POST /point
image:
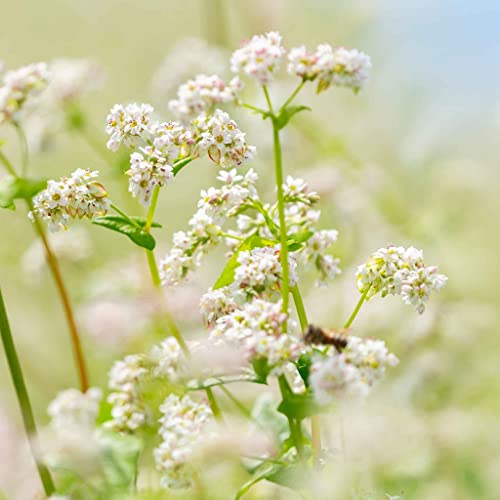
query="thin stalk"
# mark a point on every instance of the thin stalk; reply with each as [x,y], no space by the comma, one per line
[254,108]
[315,421]
[68,310]
[293,96]
[278,167]
[124,215]
[243,409]
[295,432]
[232,236]
[356,309]
[24,147]
[22,395]
[8,165]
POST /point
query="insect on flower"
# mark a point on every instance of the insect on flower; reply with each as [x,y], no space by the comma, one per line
[337,337]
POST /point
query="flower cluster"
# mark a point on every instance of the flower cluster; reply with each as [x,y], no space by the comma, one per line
[79,195]
[257,328]
[127,124]
[338,66]
[400,271]
[168,359]
[128,411]
[260,57]
[351,372]
[148,169]
[220,137]
[205,225]
[203,94]
[19,85]
[74,410]
[314,252]
[183,424]
[217,303]
[259,272]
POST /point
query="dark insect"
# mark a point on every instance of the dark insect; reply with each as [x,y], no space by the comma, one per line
[334,337]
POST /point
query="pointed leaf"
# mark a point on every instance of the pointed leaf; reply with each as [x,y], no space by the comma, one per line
[122,225]
[287,114]
[299,406]
[15,188]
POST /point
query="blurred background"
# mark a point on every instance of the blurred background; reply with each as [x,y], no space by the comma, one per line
[411,160]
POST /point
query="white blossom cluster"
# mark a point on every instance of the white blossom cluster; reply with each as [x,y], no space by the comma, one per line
[260,57]
[73,410]
[314,252]
[79,195]
[202,95]
[339,66]
[127,124]
[257,328]
[352,372]
[259,272]
[71,78]
[400,271]
[168,359]
[205,225]
[128,411]
[217,303]
[19,85]
[183,424]
[220,137]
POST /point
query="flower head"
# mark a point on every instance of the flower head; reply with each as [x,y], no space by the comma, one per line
[260,57]
[79,195]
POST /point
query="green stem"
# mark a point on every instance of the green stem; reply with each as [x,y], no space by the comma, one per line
[244,410]
[299,306]
[22,395]
[278,167]
[254,108]
[232,236]
[295,432]
[180,164]
[152,209]
[8,165]
[24,147]
[293,96]
[356,309]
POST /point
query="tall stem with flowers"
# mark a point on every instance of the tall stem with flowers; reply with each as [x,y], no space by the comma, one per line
[156,397]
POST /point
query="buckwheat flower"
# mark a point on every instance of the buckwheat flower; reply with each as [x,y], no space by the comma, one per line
[259,272]
[126,124]
[182,427]
[203,94]
[79,195]
[72,409]
[399,271]
[260,57]
[341,67]
[215,304]
[333,377]
[128,411]
[314,253]
[168,359]
[370,356]
[297,190]
[220,137]
[71,78]
[148,169]
[172,139]
[257,328]
[302,63]
[19,85]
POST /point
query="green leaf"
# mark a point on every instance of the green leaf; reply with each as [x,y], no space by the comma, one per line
[303,365]
[227,275]
[296,241]
[119,457]
[261,368]
[263,472]
[15,188]
[299,406]
[287,114]
[290,476]
[125,226]
[142,221]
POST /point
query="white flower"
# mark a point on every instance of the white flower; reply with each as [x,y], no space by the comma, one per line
[19,85]
[148,169]
[260,57]
[220,137]
[314,253]
[216,303]
[399,271]
[260,272]
[168,359]
[128,410]
[338,66]
[183,425]
[257,328]
[127,123]
[79,195]
[72,409]
[296,189]
[352,372]
[203,94]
